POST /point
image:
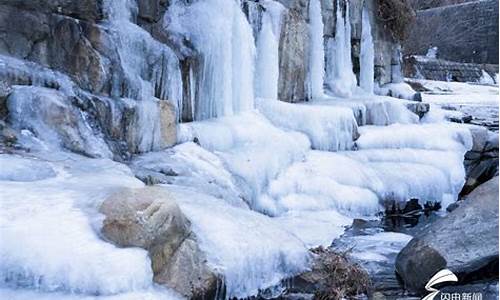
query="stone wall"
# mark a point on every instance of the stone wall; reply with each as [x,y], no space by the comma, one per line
[465,32]
[439,69]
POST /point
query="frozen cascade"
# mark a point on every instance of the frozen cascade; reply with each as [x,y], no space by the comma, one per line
[222,35]
[340,76]
[267,63]
[317,52]
[366,75]
[144,78]
[328,128]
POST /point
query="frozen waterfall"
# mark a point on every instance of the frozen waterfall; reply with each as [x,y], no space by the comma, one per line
[367,54]
[317,52]
[267,63]
[340,76]
[222,35]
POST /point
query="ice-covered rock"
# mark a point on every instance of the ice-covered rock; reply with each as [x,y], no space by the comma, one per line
[149,218]
[48,239]
[250,250]
[189,165]
[54,119]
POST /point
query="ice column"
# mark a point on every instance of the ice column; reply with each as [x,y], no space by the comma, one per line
[221,34]
[317,53]
[367,55]
[341,78]
[267,64]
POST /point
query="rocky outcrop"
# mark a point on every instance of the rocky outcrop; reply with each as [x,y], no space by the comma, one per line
[74,49]
[294,53]
[465,241]
[149,218]
[481,162]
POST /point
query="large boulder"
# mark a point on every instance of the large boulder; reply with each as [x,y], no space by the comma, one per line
[465,241]
[150,218]
[481,162]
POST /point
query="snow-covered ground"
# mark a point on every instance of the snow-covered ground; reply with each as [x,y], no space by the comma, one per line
[256,193]
[458,98]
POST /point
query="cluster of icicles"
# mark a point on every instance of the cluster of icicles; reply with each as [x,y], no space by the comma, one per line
[238,67]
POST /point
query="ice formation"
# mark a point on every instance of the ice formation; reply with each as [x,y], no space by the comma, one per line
[257,194]
[50,115]
[267,62]
[144,79]
[221,33]
[366,60]
[317,51]
[328,128]
[48,238]
[340,76]
[251,250]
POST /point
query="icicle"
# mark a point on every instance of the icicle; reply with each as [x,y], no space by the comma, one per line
[222,35]
[317,53]
[267,64]
[341,78]
[367,55]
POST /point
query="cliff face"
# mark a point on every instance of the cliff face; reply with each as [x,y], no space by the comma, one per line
[120,65]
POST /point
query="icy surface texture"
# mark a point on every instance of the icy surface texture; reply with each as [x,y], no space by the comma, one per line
[253,150]
[191,166]
[251,250]
[328,128]
[17,168]
[48,235]
[144,78]
[222,35]
[51,115]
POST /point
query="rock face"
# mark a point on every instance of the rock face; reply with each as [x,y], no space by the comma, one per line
[149,218]
[465,241]
[293,53]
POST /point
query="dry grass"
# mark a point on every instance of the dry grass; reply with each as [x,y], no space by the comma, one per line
[397,16]
[342,279]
